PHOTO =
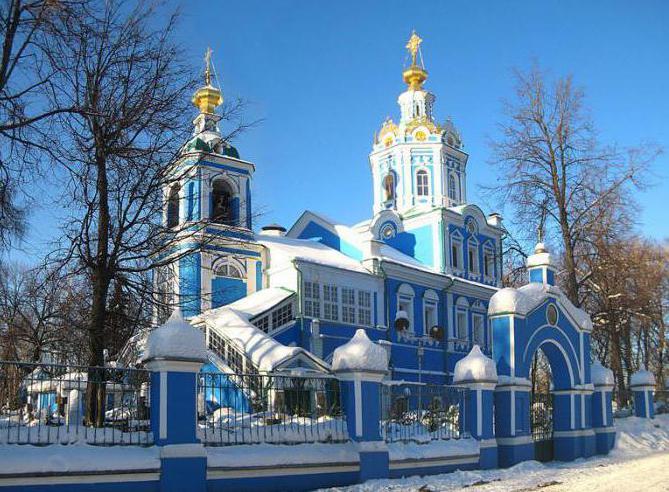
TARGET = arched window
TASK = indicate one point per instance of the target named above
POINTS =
(228, 270)
(389, 187)
(173, 207)
(222, 210)
(453, 187)
(422, 183)
(461, 329)
(430, 304)
(405, 301)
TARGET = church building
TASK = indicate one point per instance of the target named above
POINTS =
(417, 275)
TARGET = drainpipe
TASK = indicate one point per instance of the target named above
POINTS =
(299, 298)
(386, 309)
(444, 291)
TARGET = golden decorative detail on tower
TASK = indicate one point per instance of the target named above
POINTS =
(415, 75)
(207, 98)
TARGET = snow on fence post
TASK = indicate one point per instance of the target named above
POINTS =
(175, 353)
(478, 374)
(643, 386)
(602, 407)
(360, 365)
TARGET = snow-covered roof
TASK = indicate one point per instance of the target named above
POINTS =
(528, 297)
(600, 375)
(540, 257)
(642, 377)
(360, 354)
(285, 249)
(264, 351)
(176, 340)
(475, 367)
(260, 301)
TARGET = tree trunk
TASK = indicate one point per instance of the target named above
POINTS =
(96, 389)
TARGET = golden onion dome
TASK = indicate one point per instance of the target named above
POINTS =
(207, 98)
(415, 75)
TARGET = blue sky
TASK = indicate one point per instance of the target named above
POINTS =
(324, 75)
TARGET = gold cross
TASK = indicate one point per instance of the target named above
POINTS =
(207, 65)
(413, 45)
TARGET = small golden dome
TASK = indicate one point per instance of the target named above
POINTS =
(415, 75)
(207, 98)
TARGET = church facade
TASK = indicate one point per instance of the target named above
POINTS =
(417, 276)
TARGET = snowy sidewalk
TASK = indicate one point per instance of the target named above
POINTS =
(640, 462)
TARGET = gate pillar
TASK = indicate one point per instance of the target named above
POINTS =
(602, 408)
(512, 421)
(643, 386)
(361, 365)
(478, 374)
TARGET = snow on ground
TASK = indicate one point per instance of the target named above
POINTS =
(639, 462)
(24, 458)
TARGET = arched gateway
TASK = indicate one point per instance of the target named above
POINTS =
(559, 425)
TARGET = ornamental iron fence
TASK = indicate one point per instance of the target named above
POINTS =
(541, 416)
(417, 412)
(269, 408)
(47, 404)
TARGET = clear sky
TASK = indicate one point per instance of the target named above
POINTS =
(324, 75)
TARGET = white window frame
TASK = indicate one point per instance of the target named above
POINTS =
(348, 308)
(473, 267)
(457, 244)
(405, 302)
(475, 339)
(430, 304)
(461, 309)
(313, 300)
(425, 187)
(364, 308)
(488, 261)
(454, 182)
(330, 302)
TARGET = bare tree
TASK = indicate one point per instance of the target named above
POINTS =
(24, 79)
(549, 159)
(122, 67)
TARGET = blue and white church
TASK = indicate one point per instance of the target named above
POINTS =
(421, 276)
(417, 276)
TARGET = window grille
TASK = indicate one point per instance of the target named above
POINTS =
(364, 307)
(348, 305)
(330, 302)
(217, 345)
(312, 302)
(262, 323)
(281, 316)
(422, 186)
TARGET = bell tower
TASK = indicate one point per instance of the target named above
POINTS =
(208, 206)
(417, 164)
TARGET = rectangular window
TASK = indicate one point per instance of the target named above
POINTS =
(477, 329)
(348, 305)
(473, 260)
(312, 299)
(364, 307)
(262, 323)
(456, 256)
(330, 302)
(282, 316)
(429, 317)
(217, 345)
(461, 325)
(488, 267)
(405, 304)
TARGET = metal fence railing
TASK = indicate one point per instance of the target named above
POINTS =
(421, 412)
(267, 408)
(54, 404)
